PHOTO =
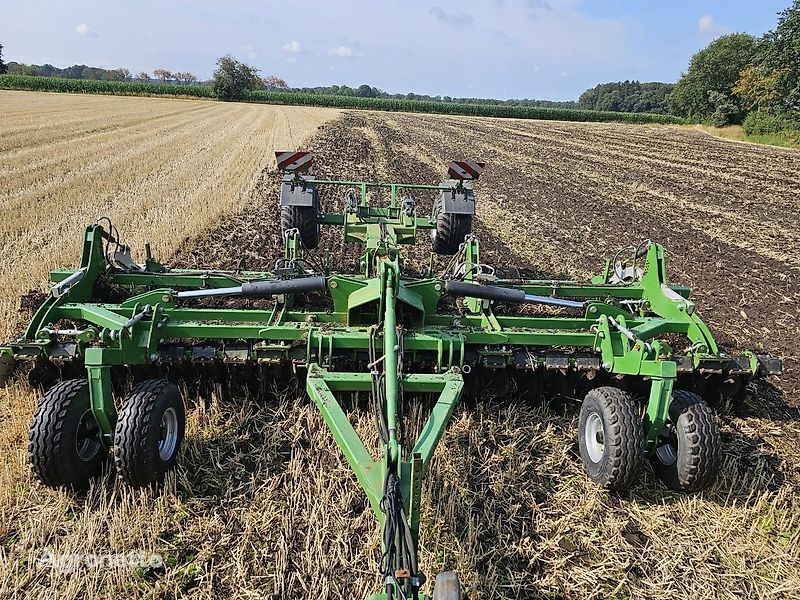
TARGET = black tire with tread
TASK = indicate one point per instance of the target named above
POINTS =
(696, 440)
(447, 586)
(52, 446)
(623, 452)
(451, 229)
(137, 433)
(304, 219)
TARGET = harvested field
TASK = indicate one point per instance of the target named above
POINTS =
(163, 170)
(263, 505)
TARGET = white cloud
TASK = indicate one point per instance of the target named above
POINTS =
(84, 29)
(292, 47)
(454, 19)
(342, 52)
(707, 26)
(564, 74)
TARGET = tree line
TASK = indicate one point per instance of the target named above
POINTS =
(742, 79)
(736, 79)
(100, 74)
(368, 91)
(629, 96)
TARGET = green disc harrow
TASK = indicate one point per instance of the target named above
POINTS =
(628, 342)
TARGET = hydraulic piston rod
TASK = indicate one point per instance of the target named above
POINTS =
(493, 292)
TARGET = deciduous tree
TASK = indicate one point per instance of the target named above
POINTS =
(233, 79)
(275, 82)
(758, 88)
(714, 69)
(779, 53)
(162, 75)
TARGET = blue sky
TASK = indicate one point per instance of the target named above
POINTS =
(548, 49)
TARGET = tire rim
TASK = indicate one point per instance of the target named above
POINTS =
(667, 453)
(168, 434)
(86, 443)
(594, 437)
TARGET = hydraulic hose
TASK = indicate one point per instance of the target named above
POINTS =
(263, 289)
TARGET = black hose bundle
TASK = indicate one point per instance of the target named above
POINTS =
(399, 554)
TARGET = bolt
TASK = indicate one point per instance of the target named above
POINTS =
(592, 309)
(607, 366)
(601, 335)
(334, 285)
(438, 287)
(166, 298)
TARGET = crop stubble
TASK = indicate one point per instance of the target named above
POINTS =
(163, 170)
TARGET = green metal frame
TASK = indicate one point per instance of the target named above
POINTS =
(137, 331)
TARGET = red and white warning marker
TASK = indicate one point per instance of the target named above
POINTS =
(294, 161)
(465, 169)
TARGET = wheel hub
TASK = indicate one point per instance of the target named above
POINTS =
(168, 434)
(594, 437)
(667, 452)
(86, 443)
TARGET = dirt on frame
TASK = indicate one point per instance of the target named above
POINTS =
(263, 504)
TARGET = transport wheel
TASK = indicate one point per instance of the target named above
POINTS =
(149, 431)
(610, 438)
(64, 446)
(687, 457)
(447, 586)
(451, 229)
(304, 219)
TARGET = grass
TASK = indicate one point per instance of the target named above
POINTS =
(784, 139)
(56, 84)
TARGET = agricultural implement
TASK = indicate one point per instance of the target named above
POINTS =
(628, 342)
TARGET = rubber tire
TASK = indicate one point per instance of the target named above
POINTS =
(138, 429)
(304, 219)
(451, 229)
(52, 447)
(696, 443)
(447, 586)
(623, 445)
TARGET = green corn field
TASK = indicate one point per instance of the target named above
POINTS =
(136, 88)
